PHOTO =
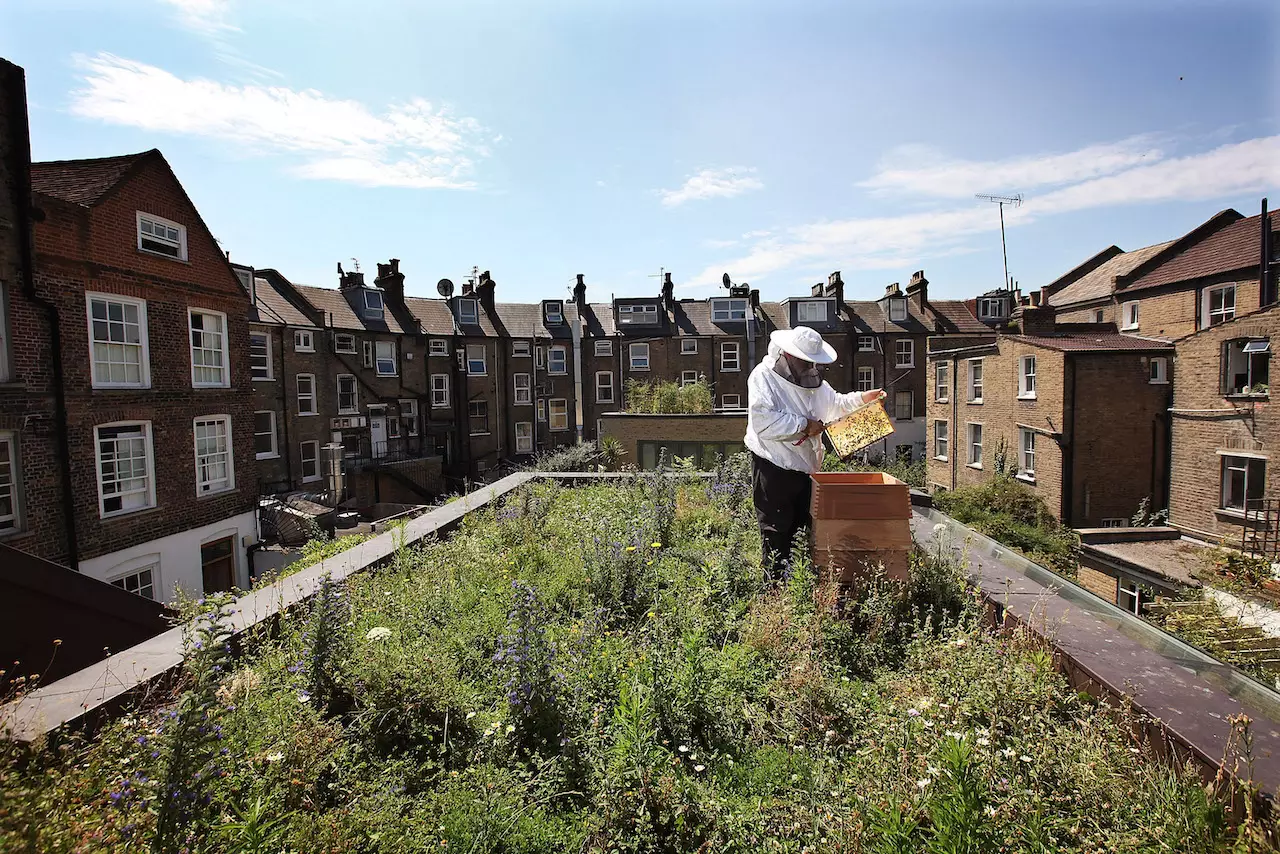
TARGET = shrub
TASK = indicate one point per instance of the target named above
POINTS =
(1009, 512)
(913, 474)
(669, 398)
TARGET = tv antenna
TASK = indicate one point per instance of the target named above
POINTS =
(355, 265)
(661, 275)
(1012, 201)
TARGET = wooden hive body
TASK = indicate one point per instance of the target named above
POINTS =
(861, 520)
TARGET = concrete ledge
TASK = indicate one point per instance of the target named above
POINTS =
(1127, 535)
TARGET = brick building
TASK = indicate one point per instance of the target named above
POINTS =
(1057, 406)
(34, 472)
(703, 438)
(1086, 294)
(153, 343)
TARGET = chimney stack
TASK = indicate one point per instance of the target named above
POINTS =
(580, 290)
(346, 281)
(668, 292)
(893, 290)
(835, 288)
(918, 289)
(391, 280)
(1037, 319)
(484, 290)
(817, 290)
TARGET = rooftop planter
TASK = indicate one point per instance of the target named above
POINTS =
(605, 668)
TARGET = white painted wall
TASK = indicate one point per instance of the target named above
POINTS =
(179, 556)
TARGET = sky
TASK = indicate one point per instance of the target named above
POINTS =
(773, 142)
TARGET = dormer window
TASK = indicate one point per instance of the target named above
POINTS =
(645, 313)
(897, 309)
(162, 236)
(811, 312)
(372, 305)
(991, 308)
(468, 311)
(727, 310)
(554, 310)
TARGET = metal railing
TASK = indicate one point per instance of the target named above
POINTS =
(366, 453)
(1260, 529)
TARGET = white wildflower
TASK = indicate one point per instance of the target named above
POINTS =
(699, 768)
(470, 715)
(510, 728)
(378, 633)
(275, 757)
(1025, 758)
(683, 748)
(923, 782)
(984, 742)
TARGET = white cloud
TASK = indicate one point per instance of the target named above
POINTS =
(925, 171)
(413, 144)
(207, 17)
(720, 244)
(713, 183)
(907, 240)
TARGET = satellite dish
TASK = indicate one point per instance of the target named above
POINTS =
(725, 280)
(445, 288)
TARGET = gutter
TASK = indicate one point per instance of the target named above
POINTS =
(27, 259)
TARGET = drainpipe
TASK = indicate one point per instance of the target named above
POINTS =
(1068, 453)
(954, 392)
(576, 328)
(18, 97)
(622, 383)
(284, 411)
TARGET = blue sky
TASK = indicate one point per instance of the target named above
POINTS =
(540, 140)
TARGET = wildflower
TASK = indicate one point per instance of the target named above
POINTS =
(929, 724)
(470, 715)
(275, 757)
(831, 733)
(631, 548)
(699, 768)
(932, 772)
(923, 782)
(960, 642)
(683, 748)
(1025, 758)
(913, 713)
(510, 728)
(1008, 752)
(984, 742)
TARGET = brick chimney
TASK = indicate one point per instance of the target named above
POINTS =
(484, 290)
(894, 290)
(668, 292)
(918, 289)
(817, 290)
(835, 288)
(580, 290)
(1037, 319)
(391, 280)
(346, 281)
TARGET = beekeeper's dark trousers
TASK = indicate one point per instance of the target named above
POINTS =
(782, 506)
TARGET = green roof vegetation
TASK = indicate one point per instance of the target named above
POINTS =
(669, 398)
(607, 668)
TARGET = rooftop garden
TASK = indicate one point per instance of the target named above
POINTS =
(607, 668)
(669, 398)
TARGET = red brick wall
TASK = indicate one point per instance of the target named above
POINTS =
(79, 250)
(1241, 424)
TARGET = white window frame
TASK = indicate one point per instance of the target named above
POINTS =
(390, 359)
(409, 416)
(1158, 370)
(562, 416)
(1210, 317)
(688, 346)
(558, 366)
(866, 378)
(1098, 315)
(11, 483)
(119, 576)
(1230, 463)
(540, 358)
(439, 347)
(1115, 522)
(604, 387)
(341, 345)
(393, 427)
(485, 404)
(897, 309)
(180, 244)
(728, 310)
(972, 385)
(975, 438)
(312, 404)
(266, 340)
(637, 362)
(521, 350)
(730, 401)
(1129, 315)
(542, 410)
(991, 308)
(482, 360)
(897, 396)
(274, 453)
(521, 396)
(688, 378)
(730, 356)
(302, 459)
(223, 352)
(1026, 378)
(150, 474)
(941, 440)
(229, 482)
(354, 409)
(468, 312)
(942, 382)
(1131, 595)
(367, 351)
(524, 443)
(909, 353)
(1027, 454)
(439, 391)
(604, 348)
(648, 314)
(373, 312)
(811, 311)
(866, 343)
(144, 356)
(553, 310)
(304, 341)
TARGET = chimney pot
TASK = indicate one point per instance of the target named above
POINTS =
(580, 278)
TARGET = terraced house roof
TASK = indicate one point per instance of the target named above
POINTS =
(273, 307)
(1236, 246)
(1099, 282)
(83, 182)
(339, 314)
(1100, 342)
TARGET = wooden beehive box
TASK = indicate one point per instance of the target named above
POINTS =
(860, 521)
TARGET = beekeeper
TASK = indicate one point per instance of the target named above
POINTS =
(788, 406)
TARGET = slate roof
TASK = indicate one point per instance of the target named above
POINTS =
(1098, 342)
(1100, 281)
(433, 314)
(339, 314)
(871, 317)
(597, 320)
(274, 307)
(1232, 247)
(954, 316)
(83, 182)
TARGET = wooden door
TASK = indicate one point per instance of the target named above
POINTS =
(218, 565)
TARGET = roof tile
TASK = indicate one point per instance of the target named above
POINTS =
(1232, 247)
(1100, 282)
(82, 182)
